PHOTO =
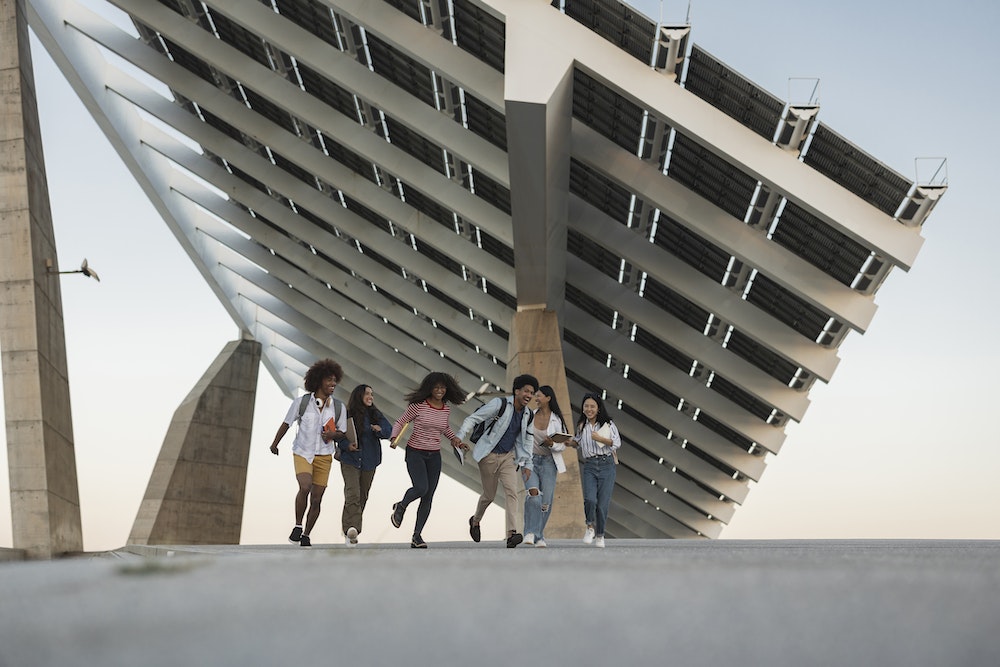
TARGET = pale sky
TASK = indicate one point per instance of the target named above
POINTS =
(901, 444)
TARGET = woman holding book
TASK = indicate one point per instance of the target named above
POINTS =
(547, 462)
(598, 438)
(429, 412)
(359, 459)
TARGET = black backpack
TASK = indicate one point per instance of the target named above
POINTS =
(483, 427)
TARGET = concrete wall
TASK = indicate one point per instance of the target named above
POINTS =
(45, 501)
(196, 491)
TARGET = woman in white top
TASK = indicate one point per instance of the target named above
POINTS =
(547, 461)
(598, 438)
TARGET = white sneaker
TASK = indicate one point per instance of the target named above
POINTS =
(539, 543)
(529, 538)
(599, 542)
(352, 536)
(588, 537)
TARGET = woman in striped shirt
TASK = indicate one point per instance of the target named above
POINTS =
(429, 411)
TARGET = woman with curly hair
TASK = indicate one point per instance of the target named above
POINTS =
(322, 419)
(359, 460)
(429, 413)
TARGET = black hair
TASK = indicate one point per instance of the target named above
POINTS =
(320, 371)
(356, 408)
(452, 394)
(522, 380)
(553, 403)
(601, 418)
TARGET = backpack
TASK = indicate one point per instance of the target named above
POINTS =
(482, 426)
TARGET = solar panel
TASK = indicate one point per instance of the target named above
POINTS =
(711, 177)
(270, 110)
(240, 38)
(415, 144)
(316, 220)
(748, 402)
(607, 112)
(485, 121)
(366, 213)
(752, 351)
(819, 244)
(496, 248)
(409, 7)
(599, 191)
(692, 249)
(843, 162)
(429, 207)
(666, 352)
(729, 434)
(247, 178)
(589, 304)
(490, 191)
(616, 22)
(349, 159)
(439, 257)
(294, 169)
(778, 302)
(480, 33)
(401, 69)
(189, 61)
(654, 388)
(322, 88)
(737, 97)
(648, 422)
(672, 302)
(311, 15)
(594, 255)
(221, 125)
(585, 346)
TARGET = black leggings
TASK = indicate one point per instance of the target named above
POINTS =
(425, 471)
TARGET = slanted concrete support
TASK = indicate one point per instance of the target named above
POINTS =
(195, 494)
(44, 496)
(536, 348)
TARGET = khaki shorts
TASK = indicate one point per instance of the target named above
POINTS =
(319, 468)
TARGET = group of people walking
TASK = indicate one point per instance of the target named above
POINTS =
(517, 449)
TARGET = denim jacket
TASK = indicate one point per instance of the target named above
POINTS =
(523, 443)
(369, 454)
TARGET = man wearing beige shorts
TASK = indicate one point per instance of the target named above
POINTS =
(322, 419)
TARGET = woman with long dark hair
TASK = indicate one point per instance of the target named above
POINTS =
(598, 438)
(358, 461)
(429, 413)
(547, 462)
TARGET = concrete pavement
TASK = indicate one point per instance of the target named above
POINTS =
(654, 602)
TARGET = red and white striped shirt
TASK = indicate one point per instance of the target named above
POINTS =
(429, 424)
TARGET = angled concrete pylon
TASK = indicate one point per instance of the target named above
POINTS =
(195, 493)
(44, 494)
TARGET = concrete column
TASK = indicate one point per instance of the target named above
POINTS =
(195, 494)
(535, 347)
(45, 499)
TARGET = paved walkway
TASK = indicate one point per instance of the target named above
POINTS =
(637, 602)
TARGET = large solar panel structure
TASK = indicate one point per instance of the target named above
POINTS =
(389, 183)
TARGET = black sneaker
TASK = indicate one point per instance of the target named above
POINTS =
(474, 530)
(307, 543)
(514, 540)
(418, 543)
(397, 514)
(296, 534)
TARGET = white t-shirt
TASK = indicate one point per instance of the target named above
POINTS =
(309, 438)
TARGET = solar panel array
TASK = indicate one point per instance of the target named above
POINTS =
(329, 142)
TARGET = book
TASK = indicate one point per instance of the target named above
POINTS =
(399, 438)
(459, 454)
(604, 432)
(561, 437)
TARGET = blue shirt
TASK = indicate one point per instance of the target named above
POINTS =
(509, 437)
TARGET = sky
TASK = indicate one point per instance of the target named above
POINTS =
(901, 444)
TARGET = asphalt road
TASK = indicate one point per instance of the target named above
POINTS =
(637, 602)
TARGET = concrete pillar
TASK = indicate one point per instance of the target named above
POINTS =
(45, 499)
(535, 347)
(195, 494)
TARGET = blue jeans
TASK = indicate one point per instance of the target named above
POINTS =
(598, 483)
(537, 508)
(425, 471)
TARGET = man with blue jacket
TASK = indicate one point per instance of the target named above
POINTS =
(504, 448)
